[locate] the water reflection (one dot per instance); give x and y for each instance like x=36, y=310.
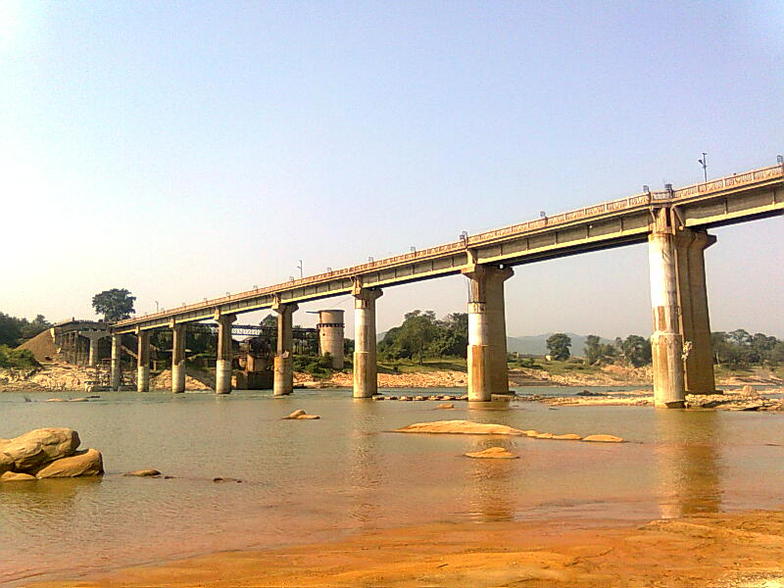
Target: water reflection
x=688, y=462
x=366, y=465
x=492, y=482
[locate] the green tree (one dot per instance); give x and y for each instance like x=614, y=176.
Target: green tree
x=636, y=350
x=37, y=325
x=10, y=330
x=115, y=304
x=592, y=349
x=558, y=346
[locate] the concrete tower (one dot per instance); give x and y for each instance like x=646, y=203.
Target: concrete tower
x=330, y=329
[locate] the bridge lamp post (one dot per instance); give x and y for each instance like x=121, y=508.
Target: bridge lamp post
x=704, y=163
x=299, y=267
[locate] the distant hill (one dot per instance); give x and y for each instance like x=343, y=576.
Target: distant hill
x=537, y=344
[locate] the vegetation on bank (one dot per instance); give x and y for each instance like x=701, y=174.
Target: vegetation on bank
x=17, y=358
x=15, y=331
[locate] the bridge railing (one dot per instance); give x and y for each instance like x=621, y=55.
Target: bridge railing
x=637, y=200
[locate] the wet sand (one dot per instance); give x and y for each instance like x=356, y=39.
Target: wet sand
x=717, y=550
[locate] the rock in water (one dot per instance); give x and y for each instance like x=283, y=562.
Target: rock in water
x=492, y=453
x=301, y=415
x=36, y=448
x=446, y=405
x=567, y=437
x=83, y=463
x=460, y=427
x=16, y=477
x=603, y=439
x=148, y=473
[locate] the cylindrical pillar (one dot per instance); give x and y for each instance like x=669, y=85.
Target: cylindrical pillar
x=116, y=365
x=143, y=361
x=178, y=359
x=283, y=366
x=487, y=368
x=694, y=316
x=92, y=360
x=666, y=341
x=365, y=367
x=331, y=336
x=224, y=355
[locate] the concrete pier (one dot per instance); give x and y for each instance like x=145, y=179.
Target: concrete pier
x=116, y=365
x=365, y=368
x=694, y=316
x=666, y=341
x=178, y=359
x=143, y=361
x=331, y=336
x=224, y=354
x=93, y=357
x=487, y=369
x=283, y=368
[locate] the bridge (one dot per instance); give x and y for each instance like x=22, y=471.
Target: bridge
x=674, y=222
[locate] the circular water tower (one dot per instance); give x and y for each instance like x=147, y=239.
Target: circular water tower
x=330, y=332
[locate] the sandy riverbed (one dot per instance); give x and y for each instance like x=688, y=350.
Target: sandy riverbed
x=739, y=550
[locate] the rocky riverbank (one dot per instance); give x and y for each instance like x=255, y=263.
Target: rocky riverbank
x=742, y=399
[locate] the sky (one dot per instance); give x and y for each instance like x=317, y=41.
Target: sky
x=183, y=150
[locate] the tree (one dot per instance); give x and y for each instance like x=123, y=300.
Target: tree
x=592, y=349
x=636, y=350
x=558, y=345
x=115, y=304
x=37, y=325
x=10, y=330
x=597, y=352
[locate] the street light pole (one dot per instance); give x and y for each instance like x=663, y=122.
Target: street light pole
x=704, y=163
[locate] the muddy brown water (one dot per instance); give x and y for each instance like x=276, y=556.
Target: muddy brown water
x=305, y=481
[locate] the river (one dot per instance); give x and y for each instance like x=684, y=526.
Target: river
x=304, y=481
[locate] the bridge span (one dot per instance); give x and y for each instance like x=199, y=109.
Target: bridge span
x=674, y=222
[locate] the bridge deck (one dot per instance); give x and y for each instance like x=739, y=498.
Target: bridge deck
x=732, y=199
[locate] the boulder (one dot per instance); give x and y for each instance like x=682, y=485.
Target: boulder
x=36, y=448
x=492, y=453
x=148, y=473
x=460, y=427
x=543, y=436
x=567, y=437
x=16, y=477
x=603, y=439
x=82, y=463
x=446, y=405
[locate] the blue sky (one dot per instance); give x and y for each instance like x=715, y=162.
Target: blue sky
x=186, y=149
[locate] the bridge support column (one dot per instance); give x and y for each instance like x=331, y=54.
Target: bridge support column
x=283, y=383
x=487, y=370
x=143, y=361
x=694, y=316
x=365, y=367
x=116, y=366
x=178, y=359
x=93, y=357
x=666, y=341
x=224, y=359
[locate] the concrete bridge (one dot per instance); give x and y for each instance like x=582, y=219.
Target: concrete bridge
x=674, y=222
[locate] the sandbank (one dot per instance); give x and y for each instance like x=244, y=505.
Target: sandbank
x=738, y=549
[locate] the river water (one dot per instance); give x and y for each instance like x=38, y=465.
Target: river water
x=306, y=481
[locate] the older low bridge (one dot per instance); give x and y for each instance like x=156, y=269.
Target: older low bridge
x=674, y=222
